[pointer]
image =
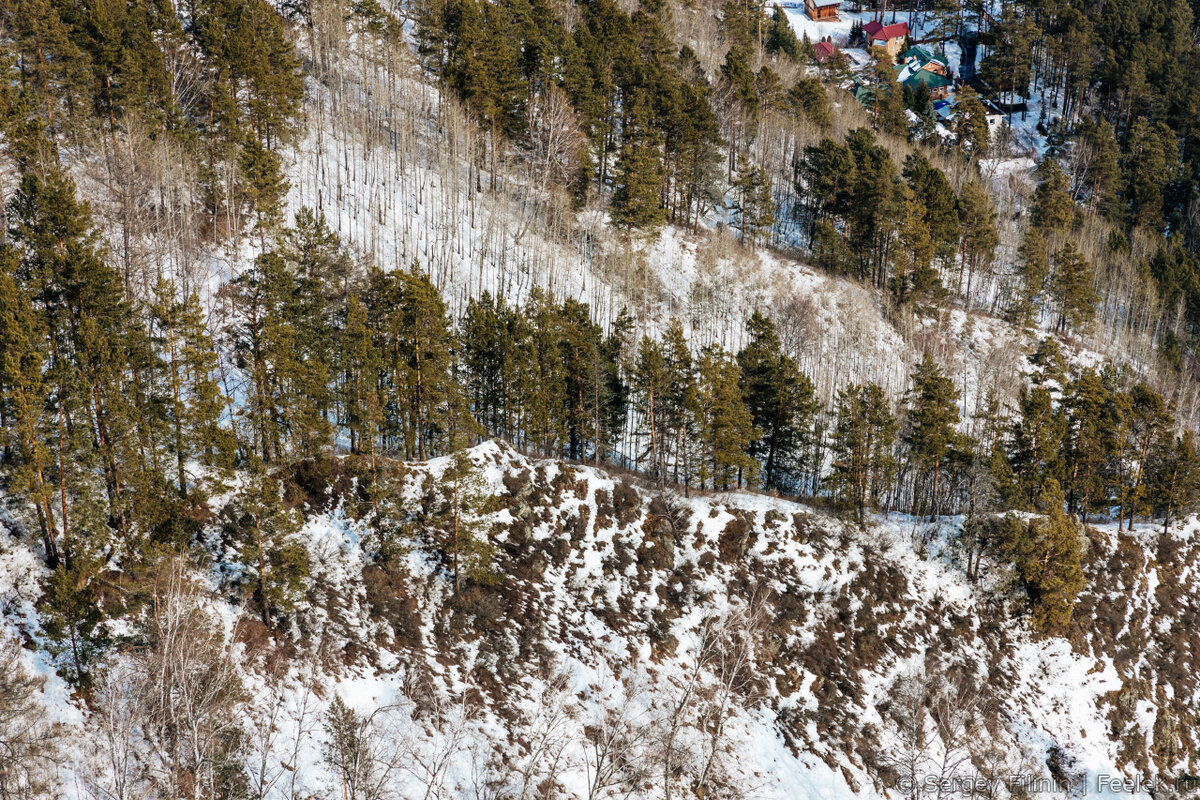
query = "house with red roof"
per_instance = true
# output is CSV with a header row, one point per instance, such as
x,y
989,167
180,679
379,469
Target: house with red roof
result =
x,y
824,51
890,37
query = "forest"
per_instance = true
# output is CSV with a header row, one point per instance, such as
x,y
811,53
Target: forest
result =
x,y
145,401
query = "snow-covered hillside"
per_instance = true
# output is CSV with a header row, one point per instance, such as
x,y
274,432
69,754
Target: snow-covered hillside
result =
x,y
629,641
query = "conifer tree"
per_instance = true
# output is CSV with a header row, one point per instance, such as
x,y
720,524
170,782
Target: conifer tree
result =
x,y
726,427
637,194
1034,443
1053,210
1072,288
781,38
681,400
23,401
825,176
360,368
92,332
931,433
1101,172
1174,476
936,203
1087,442
1007,66
782,406
861,442
1047,554
464,497
913,276
971,132
263,529
1033,264
193,400
276,339
431,406
888,107
754,203
650,383
71,618
545,390
979,235
1149,423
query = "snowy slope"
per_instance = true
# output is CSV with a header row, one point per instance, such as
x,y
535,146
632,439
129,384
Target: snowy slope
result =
x,y
733,641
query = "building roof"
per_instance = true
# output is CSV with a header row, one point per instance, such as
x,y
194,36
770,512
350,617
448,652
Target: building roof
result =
x,y
932,80
824,3
924,57
824,51
882,33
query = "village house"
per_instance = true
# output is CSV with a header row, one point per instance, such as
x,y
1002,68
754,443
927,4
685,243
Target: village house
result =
x,y
923,68
920,58
890,37
822,10
939,86
824,51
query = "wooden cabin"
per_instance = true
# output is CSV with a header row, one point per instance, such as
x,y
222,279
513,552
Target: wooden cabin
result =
x,y
822,10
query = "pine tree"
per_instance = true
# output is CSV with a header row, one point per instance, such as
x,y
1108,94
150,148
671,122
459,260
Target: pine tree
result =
x,y
1101,173
1174,476
1151,165
1008,64
650,383
1087,443
1033,264
263,529
464,497
48,54
430,406
861,443
637,196
971,132
1047,553
92,333
23,401
979,235
1048,362
276,337
726,427
545,387
682,400
212,442
1149,423
781,38
782,406
825,176
936,203
888,108
1034,444
913,275
360,368
755,204
71,618
1053,210
931,433
1072,288
262,186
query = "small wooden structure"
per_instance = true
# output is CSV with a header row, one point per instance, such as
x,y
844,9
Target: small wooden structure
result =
x,y
822,10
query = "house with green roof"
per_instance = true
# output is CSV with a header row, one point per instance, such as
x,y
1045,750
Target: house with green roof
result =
x,y
939,86
920,67
925,60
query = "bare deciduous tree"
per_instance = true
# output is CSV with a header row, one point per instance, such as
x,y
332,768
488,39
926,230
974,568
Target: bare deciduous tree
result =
x,y
28,743
363,751
616,739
